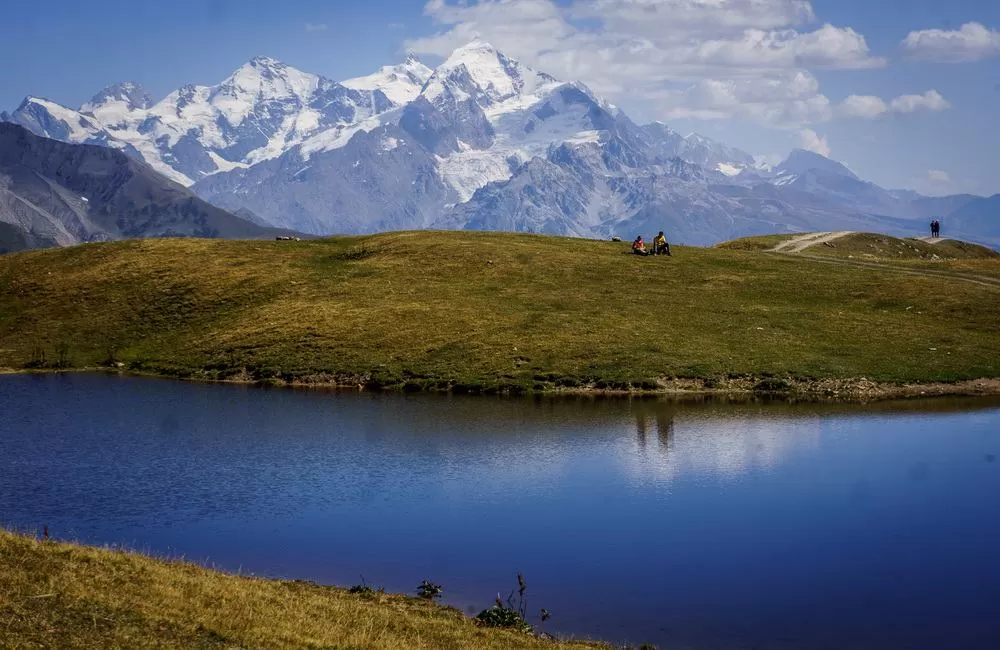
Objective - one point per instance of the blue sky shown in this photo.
(764, 75)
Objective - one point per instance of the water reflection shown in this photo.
(671, 441)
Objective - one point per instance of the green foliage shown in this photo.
(500, 616)
(428, 590)
(510, 615)
(364, 589)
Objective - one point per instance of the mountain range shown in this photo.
(482, 141)
(56, 194)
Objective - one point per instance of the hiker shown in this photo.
(639, 247)
(935, 228)
(660, 245)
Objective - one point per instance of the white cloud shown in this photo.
(871, 107)
(316, 27)
(695, 15)
(973, 42)
(704, 59)
(827, 47)
(938, 176)
(862, 106)
(935, 182)
(929, 101)
(811, 141)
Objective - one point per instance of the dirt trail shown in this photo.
(802, 242)
(982, 280)
(933, 240)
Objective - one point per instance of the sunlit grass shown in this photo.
(490, 310)
(55, 595)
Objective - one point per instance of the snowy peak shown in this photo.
(129, 94)
(51, 120)
(264, 62)
(484, 73)
(698, 149)
(261, 79)
(401, 83)
(801, 161)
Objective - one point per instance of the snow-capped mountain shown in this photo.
(481, 141)
(399, 83)
(258, 113)
(700, 150)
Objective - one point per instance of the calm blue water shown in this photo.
(702, 526)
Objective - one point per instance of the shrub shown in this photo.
(505, 617)
(428, 590)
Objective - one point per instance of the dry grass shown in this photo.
(883, 248)
(489, 311)
(55, 595)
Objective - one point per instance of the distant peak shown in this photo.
(264, 62)
(412, 59)
(802, 160)
(476, 52)
(807, 153)
(129, 92)
(477, 45)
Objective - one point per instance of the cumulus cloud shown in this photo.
(871, 107)
(939, 177)
(972, 42)
(811, 141)
(935, 182)
(929, 101)
(862, 106)
(709, 59)
(316, 27)
(695, 15)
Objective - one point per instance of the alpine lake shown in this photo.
(710, 524)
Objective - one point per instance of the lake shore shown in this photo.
(56, 594)
(839, 390)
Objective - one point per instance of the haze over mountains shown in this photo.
(57, 194)
(480, 142)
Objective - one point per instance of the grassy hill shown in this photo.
(876, 247)
(55, 595)
(496, 311)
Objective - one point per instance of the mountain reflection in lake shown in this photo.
(712, 525)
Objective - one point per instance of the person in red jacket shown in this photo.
(639, 247)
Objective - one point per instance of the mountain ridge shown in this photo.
(481, 141)
(56, 194)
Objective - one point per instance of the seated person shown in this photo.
(639, 246)
(660, 245)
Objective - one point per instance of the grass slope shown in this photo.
(492, 310)
(55, 595)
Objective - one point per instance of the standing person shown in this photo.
(660, 245)
(937, 228)
(639, 247)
